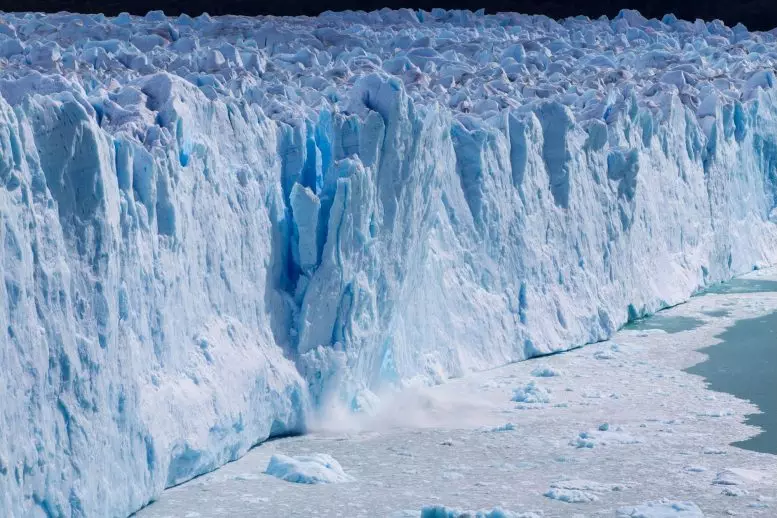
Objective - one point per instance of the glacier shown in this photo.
(213, 227)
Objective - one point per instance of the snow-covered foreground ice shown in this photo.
(212, 225)
(680, 465)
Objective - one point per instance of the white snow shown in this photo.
(211, 225)
(318, 468)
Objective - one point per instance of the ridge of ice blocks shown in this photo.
(209, 223)
(318, 468)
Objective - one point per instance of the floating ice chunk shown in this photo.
(319, 468)
(739, 476)
(531, 393)
(643, 332)
(507, 427)
(571, 496)
(734, 491)
(604, 355)
(662, 509)
(545, 371)
(450, 512)
(716, 413)
(592, 439)
(583, 440)
(709, 450)
(587, 485)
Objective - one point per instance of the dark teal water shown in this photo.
(745, 364)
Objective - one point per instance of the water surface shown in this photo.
(735, 286)
(664, 322)
(745, 364)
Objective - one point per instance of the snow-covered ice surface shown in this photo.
(209, 223)
(402, 466)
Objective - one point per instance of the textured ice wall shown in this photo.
(462, 247)
(187, 230)
(138, 307)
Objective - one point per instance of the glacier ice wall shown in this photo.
(209, 224)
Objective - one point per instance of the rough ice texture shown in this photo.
(663, 509)
(531, 393)
(318, 468)
(195, 211)
(440, 511)
(571, 496)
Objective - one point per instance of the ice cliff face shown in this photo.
(211, 225)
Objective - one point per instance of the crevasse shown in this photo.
(205, 235)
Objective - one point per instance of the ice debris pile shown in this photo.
(440, 511)
(319, 468)
(209, 223)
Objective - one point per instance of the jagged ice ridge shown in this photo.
(211, 226)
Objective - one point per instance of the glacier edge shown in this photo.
(187, 279)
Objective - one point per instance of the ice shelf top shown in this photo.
(474, 65)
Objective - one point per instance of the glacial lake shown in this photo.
(743, 364)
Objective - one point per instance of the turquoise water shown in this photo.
(677, 324)
(735, 286)
(745, 364)
(670, 324)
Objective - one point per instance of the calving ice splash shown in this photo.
(213, 226)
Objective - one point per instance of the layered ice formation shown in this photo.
(211, 224)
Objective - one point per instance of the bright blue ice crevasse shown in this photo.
(211, 225)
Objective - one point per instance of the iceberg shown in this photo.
(318, 468)
(211, 227)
